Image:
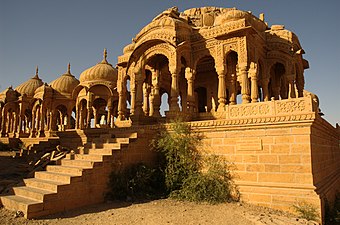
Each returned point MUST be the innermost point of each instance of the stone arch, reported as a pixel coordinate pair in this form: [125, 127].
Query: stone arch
[233, 86]
[199, 56]
[207, 78]
[277, 81]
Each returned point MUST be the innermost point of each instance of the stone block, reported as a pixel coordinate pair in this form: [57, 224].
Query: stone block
[289, 159]
[276, 177]
[271, 168]
[268, 159]
[280, 149]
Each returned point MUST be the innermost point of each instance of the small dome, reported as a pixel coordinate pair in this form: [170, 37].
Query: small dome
[66, 83]
[30, 86]
[43, 88]
[9, 95]
[103, 71]
[129, 48]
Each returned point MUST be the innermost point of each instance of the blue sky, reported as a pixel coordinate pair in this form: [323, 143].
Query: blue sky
[51, 34]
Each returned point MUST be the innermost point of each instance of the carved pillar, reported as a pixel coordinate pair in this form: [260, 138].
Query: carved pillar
[190, 76]
[109, 113]
[291, 86]
[121, 99]
[300, 83]
[77, 116]
[254, 87]
[3, 124]
[139, 93]
[20, 124]
[133, 96]
[174, 89]
[41, 122]
[155, 98]
[232, 89]
[146, 93]
[109, 120]
[265, 89]
[244, 81]
[221, 89]
[33, 130]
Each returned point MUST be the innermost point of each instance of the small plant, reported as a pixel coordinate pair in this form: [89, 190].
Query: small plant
[306, 210]
[189, 175]
[138, 181]
[4, 147]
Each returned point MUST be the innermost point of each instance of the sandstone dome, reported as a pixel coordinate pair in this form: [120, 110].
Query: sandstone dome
[66, 83]
[103, 71]
[30, 86]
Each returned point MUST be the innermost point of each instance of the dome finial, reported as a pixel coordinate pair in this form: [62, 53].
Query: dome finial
[104, 61]
[36, 72]
[105, 54]
[69, 68]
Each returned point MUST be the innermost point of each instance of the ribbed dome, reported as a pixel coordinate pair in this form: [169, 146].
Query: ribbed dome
[65, 84]
[30, 86]
[103, 71]
[43, 88]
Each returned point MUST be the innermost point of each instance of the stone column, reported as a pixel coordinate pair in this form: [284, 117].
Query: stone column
[121, 100]
[77, 116]
[33, 130]
[265, 89]
[232, 90]
[3, 123]
[291, 86]
[190, 76]
[146, 92]
[221, 89]
[174, 89]
[244, 81]
[155, 98]
[20, 125]
[133, 96]
[139, 95]
[254, 87]
[41, 122]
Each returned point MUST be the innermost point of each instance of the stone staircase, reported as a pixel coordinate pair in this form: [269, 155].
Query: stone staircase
[78, 180]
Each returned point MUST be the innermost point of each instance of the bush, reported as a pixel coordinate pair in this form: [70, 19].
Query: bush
[189, 175]
[136, 182]
[4, 147]
[180, 154]
[306, 210]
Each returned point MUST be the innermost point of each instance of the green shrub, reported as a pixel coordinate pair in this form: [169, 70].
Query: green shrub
[4, 147]
[136, 182]
[179, 148]
[306, 210]
[188, 174]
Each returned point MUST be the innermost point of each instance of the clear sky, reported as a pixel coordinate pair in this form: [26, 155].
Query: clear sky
[51, 34]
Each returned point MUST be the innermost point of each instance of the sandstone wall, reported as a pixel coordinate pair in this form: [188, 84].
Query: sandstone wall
[272, 163]
[325, 159]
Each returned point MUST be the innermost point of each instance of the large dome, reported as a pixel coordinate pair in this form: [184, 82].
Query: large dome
[30, 86]
[65, 84]
[103, 71]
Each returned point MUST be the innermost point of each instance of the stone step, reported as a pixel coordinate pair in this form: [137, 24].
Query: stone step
[60, 177]
[125, 135]
[105, 145]
[80, 163]
[49, 185]
[93, 157]
[26, 205]
[35, 193]
[111, 140]
[102, 151]
[72, 170]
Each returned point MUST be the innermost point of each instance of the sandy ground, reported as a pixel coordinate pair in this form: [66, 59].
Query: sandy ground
[159, 212]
